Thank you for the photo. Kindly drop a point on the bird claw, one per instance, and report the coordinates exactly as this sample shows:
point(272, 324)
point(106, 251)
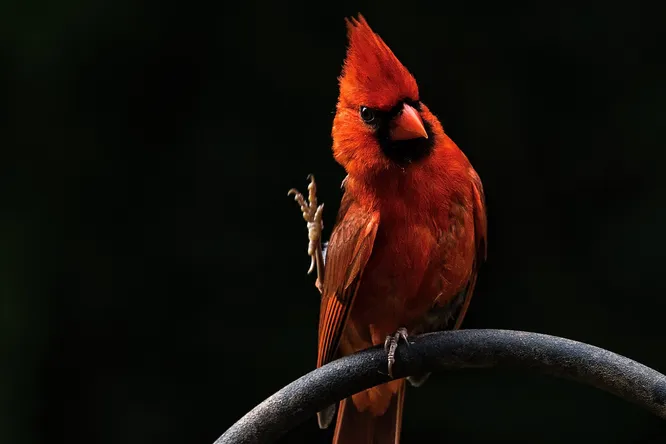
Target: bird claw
point(391, 345)
point(312, 213)
point(418, 380)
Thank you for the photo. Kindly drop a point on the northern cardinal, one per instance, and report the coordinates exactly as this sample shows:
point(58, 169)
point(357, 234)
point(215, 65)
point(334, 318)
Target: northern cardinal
point(409, 237)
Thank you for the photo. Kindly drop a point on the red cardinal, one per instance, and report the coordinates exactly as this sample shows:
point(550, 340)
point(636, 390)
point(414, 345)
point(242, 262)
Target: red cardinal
point(409, 237)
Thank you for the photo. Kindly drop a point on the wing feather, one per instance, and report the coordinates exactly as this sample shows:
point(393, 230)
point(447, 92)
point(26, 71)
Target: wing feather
point(347, 253)
point(480, 235)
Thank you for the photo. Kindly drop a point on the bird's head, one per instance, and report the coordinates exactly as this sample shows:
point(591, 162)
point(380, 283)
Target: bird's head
point(380, 122)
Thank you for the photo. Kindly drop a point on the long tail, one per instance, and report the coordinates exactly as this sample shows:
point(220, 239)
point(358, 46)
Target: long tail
point(355, 427)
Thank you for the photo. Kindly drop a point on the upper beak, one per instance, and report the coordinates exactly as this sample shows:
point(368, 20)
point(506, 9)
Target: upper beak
point(407, 125)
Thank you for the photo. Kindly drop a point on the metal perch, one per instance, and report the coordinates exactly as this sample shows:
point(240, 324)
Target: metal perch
point(448, 350)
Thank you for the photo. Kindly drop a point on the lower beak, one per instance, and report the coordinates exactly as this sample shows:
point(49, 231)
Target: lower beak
point(407, 125)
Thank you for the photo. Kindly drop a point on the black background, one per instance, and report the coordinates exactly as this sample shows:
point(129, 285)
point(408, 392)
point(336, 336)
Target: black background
point(153, 269)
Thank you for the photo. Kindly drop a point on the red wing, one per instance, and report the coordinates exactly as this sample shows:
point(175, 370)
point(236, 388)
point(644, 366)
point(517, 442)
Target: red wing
point(348, 251)
point(480, 235)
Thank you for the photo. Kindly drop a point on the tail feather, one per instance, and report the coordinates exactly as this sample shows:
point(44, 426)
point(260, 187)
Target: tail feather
point(355, 427)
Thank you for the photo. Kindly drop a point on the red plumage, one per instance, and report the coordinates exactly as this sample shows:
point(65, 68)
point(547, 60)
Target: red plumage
point(410, 233)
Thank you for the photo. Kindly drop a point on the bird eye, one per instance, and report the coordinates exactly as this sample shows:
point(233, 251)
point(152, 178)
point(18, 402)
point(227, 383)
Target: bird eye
point(367, 114)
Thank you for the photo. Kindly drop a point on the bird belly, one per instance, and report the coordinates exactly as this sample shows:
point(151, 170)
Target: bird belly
point(388, 297)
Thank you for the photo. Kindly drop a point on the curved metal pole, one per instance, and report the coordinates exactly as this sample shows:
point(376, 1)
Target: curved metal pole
point(448, 350)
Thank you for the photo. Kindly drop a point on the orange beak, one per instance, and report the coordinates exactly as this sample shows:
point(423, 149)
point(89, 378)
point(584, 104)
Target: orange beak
point(407, 125)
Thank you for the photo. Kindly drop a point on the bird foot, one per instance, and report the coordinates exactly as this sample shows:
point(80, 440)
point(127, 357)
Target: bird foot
point(312, 213)
point(391, 345)
point(418, 380)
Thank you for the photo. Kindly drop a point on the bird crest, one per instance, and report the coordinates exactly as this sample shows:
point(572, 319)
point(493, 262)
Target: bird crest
point(372, 75)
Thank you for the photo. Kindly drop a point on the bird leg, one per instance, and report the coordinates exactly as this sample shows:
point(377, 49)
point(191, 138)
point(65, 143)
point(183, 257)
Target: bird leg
point(391, 344)
point(312, 213)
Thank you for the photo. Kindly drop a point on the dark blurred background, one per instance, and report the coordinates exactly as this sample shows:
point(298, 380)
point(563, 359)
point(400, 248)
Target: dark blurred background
point(152, 273)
